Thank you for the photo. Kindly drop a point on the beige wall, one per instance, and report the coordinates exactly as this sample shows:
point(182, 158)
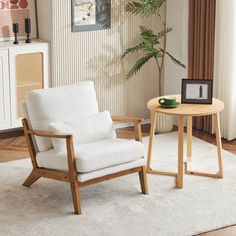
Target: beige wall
point(95, 55)
point(177, 44)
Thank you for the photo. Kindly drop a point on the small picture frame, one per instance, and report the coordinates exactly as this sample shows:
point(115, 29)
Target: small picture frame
point(197, 91)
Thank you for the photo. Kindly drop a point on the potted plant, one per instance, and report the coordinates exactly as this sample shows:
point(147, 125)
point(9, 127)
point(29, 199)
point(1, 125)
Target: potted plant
point(152, 46)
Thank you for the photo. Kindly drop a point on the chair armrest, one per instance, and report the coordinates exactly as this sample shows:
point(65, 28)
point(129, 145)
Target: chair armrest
point(69, 145)
point(137, 124)
point(46, 134)
point(127, 119)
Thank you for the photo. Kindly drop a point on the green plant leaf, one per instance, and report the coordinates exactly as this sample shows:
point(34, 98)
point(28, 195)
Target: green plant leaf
point(132, 49)
point(175, 60)
point(144, 7)
point(139, 64)
point(147, 36)
point(163, 33)
point(148, 40)
point(134, 8)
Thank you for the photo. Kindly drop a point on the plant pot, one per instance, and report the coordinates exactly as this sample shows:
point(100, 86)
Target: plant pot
point(164, 123)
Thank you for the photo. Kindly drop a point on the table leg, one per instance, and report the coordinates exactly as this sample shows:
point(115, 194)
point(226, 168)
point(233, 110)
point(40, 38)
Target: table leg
point(189, 138)
point(219, 174)
point(180, 151)
point(151, 137)
point(219, 143)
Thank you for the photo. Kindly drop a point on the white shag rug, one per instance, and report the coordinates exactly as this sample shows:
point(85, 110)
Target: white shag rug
point(116, 207)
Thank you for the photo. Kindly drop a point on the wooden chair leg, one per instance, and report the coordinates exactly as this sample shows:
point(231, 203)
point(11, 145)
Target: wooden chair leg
point(143, 180)
point(76, 196)
point(33, 177)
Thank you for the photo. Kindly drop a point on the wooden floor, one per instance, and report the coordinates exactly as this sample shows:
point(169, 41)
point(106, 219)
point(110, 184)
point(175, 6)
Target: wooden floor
point(13, 147)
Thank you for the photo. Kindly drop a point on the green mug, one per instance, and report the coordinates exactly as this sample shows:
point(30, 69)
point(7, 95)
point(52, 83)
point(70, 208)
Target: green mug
point(169, 101)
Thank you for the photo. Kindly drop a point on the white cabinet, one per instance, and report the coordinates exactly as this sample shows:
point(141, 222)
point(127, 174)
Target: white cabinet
point(23, 67)
point(5, 121)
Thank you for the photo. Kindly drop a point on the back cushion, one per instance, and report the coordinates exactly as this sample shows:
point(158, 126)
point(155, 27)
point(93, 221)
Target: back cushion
point(85, 129)
point(52, 105)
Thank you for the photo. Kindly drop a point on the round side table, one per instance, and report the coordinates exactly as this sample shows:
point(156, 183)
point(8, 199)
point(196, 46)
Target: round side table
point(188, 111)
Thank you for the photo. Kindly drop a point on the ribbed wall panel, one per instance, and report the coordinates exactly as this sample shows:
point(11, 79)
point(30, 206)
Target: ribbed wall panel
point(96, 55)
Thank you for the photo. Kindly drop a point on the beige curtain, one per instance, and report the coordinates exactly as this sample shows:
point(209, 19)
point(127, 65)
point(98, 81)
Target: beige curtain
point(225, 65)
point(201, 47)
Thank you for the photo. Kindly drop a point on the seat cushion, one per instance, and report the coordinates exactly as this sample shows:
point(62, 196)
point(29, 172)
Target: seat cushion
point(82, 177)
point(85, 129)
point(45, 106)
point(94, 156)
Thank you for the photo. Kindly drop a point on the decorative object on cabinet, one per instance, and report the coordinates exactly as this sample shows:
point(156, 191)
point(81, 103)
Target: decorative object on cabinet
point(27, 30)
point(91, 15)
point(15, 27)
point(15, 12)
point(29, 69)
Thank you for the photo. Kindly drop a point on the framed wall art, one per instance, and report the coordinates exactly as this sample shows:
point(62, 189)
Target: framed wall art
point(90, 15)
point(15, 11)
point(197, 91)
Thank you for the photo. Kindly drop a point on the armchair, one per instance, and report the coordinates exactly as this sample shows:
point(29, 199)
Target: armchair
point(96, 162)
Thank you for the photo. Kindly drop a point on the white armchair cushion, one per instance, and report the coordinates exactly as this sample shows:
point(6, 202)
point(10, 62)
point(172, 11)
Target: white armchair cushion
point(94, 156)
point(82, 177)
point(84, 129)
point(46, 106)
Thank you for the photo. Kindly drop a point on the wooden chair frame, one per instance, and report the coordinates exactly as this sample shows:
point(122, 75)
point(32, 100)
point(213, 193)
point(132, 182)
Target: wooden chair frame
point(71, 175)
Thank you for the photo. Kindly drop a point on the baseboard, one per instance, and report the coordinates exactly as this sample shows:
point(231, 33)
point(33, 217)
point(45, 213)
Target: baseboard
point(125, 125)
point(9, 133)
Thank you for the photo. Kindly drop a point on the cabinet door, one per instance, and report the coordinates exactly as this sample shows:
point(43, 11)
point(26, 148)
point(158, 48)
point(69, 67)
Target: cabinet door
point(28, 71)
point(4, 91)
point(29, 76)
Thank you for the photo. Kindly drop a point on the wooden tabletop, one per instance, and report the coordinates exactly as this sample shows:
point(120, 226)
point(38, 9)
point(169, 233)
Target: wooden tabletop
point(186, 109)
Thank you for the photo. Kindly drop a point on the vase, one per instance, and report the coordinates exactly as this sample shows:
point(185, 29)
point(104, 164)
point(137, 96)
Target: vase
point(164, 123)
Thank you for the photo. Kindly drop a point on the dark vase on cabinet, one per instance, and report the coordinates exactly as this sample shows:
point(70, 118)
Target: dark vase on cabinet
point(27, 30)
point(15, 27)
